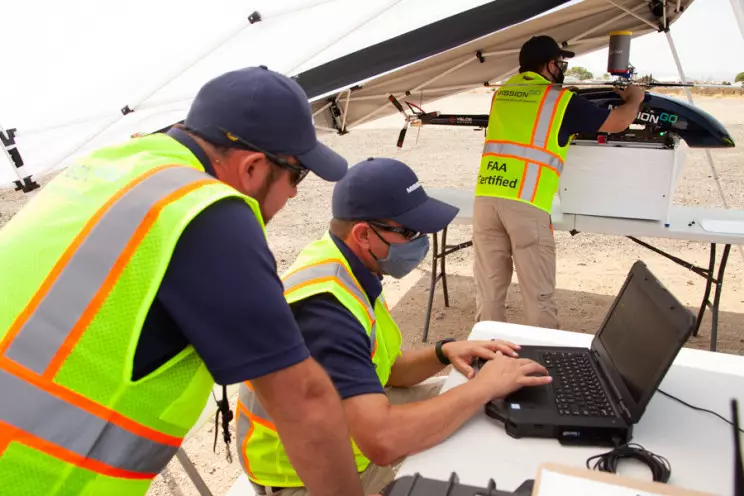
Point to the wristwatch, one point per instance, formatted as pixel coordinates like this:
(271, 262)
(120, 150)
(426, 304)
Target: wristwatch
(438, 350)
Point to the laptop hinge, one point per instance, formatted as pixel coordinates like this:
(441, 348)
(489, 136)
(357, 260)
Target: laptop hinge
(620, 404)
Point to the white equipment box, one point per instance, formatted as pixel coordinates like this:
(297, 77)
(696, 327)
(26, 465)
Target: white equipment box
(620, 179)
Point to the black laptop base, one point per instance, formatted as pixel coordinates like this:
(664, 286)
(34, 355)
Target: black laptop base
(568, 434)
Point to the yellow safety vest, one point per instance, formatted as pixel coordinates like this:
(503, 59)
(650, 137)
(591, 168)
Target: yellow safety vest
(320, 268)
(81, 265)
(522, 159)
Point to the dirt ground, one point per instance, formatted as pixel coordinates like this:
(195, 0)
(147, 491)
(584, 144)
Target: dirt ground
(591, 268)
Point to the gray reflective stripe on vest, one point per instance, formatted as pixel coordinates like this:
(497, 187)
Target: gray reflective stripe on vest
(80, 280)
(546, 115)
(529, 186)
(525, 152)
(250, 401)
(42, 414)
(334, 269)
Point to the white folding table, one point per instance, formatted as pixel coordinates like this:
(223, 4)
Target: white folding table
(710, 225)
(699, 446)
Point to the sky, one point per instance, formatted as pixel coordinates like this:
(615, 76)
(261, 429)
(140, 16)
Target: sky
(708, 41)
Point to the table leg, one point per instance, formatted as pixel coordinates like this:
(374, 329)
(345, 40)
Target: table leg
(717, 298)
(432, 285)
(708, 274)
(443, 271)
(708, 285)
(193, 474)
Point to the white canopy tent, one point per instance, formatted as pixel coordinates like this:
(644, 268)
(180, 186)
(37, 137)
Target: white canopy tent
(102, 91)
(353, 54)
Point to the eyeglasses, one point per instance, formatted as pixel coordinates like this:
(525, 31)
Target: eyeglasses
(562, 64)
(407, 233)
(298, 172)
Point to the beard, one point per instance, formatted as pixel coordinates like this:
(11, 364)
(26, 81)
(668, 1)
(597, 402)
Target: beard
(263, 193)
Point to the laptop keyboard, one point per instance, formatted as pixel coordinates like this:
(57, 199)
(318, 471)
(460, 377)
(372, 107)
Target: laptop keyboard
(576, 386)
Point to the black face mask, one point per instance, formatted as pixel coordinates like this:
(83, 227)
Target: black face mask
(561, 72)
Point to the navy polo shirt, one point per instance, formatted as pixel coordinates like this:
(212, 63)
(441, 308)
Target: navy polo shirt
(336, 339)
(221, 294)
(582, 116)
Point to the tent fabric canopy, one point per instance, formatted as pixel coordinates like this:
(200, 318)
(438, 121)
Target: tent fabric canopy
(582, 27)
(349, 55)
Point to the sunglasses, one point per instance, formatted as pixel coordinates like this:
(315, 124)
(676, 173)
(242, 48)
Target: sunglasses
(562, 64)
(298, 172)
(407, 233)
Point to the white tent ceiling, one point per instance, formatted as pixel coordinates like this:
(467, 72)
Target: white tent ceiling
(581, 27)
(65, 94)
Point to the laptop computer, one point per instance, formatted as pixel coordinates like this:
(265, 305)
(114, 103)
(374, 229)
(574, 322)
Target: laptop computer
(598, 394)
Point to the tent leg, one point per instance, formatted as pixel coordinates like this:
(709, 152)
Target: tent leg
(738, 7)
(683, 79)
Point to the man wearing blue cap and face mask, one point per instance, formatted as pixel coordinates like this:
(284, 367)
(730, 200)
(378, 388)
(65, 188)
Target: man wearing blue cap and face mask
(381, 218)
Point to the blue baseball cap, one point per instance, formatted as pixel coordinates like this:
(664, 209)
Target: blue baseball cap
(384, 188)
(266, 109)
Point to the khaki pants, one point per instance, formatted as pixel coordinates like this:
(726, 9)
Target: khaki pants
(505, 231)
(374, 478)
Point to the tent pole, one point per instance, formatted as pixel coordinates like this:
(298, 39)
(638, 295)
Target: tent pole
(633, 14)
(606, 23)
(738, 7)
(683, 79)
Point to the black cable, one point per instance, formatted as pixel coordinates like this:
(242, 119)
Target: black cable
(607, 462)
(729, 422)
(660, 467)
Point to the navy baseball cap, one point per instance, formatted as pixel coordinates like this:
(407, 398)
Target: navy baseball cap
(540, 50)
(266, 109)
(384, 188)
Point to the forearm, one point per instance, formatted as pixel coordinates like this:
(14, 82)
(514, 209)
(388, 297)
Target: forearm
(312, 426)
(626, 114)
(434, 419)
(413, 367)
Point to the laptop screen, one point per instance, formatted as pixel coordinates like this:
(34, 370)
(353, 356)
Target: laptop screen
(643, 333)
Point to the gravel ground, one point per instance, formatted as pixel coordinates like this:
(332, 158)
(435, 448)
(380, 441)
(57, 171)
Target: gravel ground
(591, 268)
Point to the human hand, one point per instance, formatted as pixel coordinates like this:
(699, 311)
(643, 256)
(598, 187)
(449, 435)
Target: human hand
(503, 375)
(631, 93)
(462, 353)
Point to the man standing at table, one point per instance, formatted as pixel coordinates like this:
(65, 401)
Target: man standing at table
(381, 217)
(531, 124)
(140, 276)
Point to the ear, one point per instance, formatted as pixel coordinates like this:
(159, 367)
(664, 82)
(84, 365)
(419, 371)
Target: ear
(251, 170)
(360, 234)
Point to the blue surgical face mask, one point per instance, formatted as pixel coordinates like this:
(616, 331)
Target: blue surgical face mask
(402, 258)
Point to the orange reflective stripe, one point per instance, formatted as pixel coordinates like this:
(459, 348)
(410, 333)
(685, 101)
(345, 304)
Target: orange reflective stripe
(87, 404)
(539, 111)
(66, 256)
(68, 456)
(537, 182)
(116, 271)
(255, 418)
(521, 183)
(552, 115)
(248, 385)
(244, 445)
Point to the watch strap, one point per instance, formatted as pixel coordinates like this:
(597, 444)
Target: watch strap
(440, 354)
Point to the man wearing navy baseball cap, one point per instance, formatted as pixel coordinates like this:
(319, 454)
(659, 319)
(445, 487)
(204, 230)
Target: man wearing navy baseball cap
(159, 284)
(381, 218)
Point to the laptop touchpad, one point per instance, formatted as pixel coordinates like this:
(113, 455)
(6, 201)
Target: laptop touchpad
(531, 397)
